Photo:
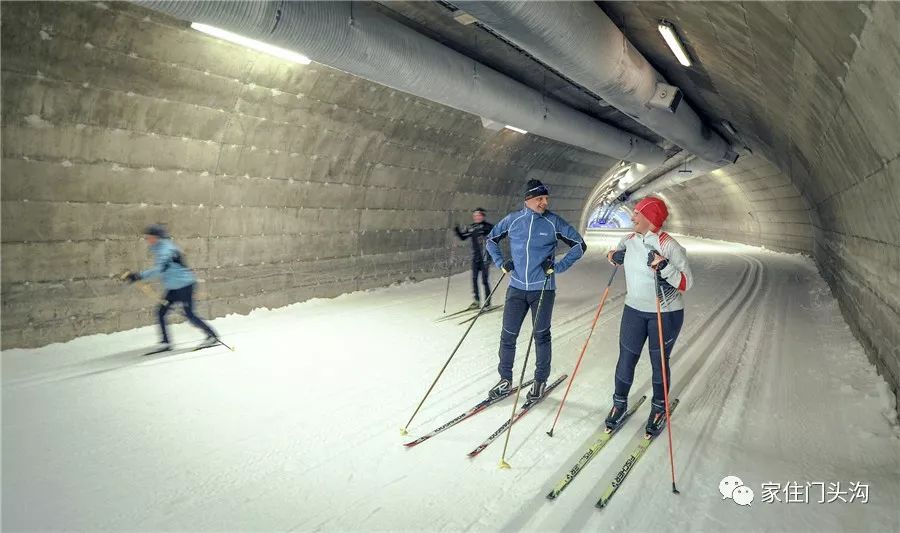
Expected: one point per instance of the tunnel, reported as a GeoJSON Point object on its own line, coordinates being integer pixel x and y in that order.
{"type": "Point", "coordinates": [315, 172]}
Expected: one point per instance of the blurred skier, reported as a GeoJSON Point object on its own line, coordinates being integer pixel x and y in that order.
{"type": "Point", "coordinates": [533, 232]}
{"type": "Point", "coordinates": [650, 255]}
{"type": "Point", "coordinates": [177, 279]}
{"type": "Point", "coordinates": [478, 231]}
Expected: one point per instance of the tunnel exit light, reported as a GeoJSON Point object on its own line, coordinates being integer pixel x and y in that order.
{"type": "Point", "coordinates": [251, 43]}
{"type": "Point", "coordinates": [675, 44]}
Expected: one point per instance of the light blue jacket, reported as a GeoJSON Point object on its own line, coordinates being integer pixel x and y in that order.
{"type": "Point", "coordinates": [533, 238]}
{"type": "Point", "coordinates": [169, 266]}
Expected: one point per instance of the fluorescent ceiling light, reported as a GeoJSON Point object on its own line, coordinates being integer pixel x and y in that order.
{"type": "Point", "coordinates": [463, 18]}
{"type": "Point", "coordinates": [520, 130]}
{"type": "Point", "coordinates": [668, 33]}
{"type": "Point", "coordinates": [251, 43]}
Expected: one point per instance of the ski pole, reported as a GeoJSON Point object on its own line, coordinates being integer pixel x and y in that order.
{"type": "Point", "coordinates": [584, 348]}
{"type": "Point", "coordinates": [537, 313]}
{"type": "Point", "coordinates": [449, 262]}
{"type": "Point", "coordinates": [403, 430]}
{"type": "Point", "coordinates": [662, 355]}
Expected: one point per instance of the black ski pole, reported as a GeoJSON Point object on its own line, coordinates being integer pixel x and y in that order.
{"type": "Point", "coordinates": [537, 313]}
{"type": "Point", "coordinates": [403, 430]}
{"type": "Point", "coordinates": [449, 261]}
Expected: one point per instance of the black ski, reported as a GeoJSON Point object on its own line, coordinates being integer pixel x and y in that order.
{"type": "Point", "coordinates": [457, 314]}
{"type": "Point", "coordinates": [486, 311]}
{"type": "Point", "coordinates": [480, 406]}
{"type": "Point", "coordinates": [519, 414]}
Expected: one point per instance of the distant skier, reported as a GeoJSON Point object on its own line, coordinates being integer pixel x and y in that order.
{"type": "Point", "coordinates": [478, 231]}
{"type": "Point", "coordinates": [533, 232]}
{"type": "Point", "coordinates": [177, 279]}
{"type": "Point", "coordinates": [649, 255]}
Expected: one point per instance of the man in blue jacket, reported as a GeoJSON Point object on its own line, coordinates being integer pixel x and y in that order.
{"type": "Point", "coordinates": [177, 279]}
{"type": "Point", "coordinates": [533, 233]}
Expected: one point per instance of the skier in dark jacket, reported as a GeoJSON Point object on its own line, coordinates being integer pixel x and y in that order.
{"type": "Point", "coordinates": [477, 232]}
{"type": "Point", "coordinates": [177, 279]}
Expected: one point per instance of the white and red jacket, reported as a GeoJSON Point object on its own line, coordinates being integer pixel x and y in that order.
{"type": "Point", "coordinates": [640, 279]}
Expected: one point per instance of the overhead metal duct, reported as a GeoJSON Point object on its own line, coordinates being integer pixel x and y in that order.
{"type": "Point", "coordinates": [693, 167]}
{"type": "Point", "coordinates": [356, 38]}
{"type": "Point", "coordinates": [582, 43]}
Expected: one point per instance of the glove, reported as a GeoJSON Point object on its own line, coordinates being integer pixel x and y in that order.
{"type": "Point", "coordinates": [548, 265]}
{"type": "Point", "coordinates": [131, 277]}
{"type": "Point", "coordinates": [617, 257]}
{"type": "Point", "coordinates": [508, 267]}
{"type": "Point", "coordinates": [663, 262]}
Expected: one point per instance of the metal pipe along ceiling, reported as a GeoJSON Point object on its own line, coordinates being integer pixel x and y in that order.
{"type": "Point", "coordinates": [359, 40]}
{"type": "Point", "coordinates": [581, 42]}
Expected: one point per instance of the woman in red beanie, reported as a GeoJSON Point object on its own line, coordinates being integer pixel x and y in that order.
{"type": "Point", "coordinates": [649, 255]}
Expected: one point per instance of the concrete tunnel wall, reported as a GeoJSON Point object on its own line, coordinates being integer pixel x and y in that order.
{"type": "Point", "coordinates": [281, 182]}
{"type": "Point", "coordinates": [812, 87]}
{"type": "Point", "coordinates": [751, 201]}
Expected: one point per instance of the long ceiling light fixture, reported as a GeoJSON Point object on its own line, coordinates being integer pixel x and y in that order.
{"type": "Point", "coordinates": [675, 45]}
{"type": "Point", "coordinates": [251, 43]}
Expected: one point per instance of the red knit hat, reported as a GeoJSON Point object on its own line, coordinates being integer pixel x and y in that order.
{"type": "Point", "coordinates": [653, 209]}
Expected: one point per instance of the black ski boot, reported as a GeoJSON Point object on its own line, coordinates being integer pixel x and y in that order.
{"type": "Point", "coordinates": [161, 348]}
{"type": "Point", "coordinates": [536, 392]}
{"type": "Point", "coordinates": [208, 343]}
{"type": "Point", "coordinates": [657, 419]}
{"type": "Point", "coordinates": [499, 390]}
{"type": "Point", "coordinates": [617, 413]}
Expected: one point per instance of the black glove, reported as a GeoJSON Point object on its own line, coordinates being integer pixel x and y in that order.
{"type": "Point", "coordinates": [618, 257]}
{"type": "Point", "coordinates": [131, 277]}
{"type": "Point", "coordinates": [659, 266]}
{"type": "Point", "coordinates": [548, 265]}
{"type": "Point", "coordinates": [508, 267]}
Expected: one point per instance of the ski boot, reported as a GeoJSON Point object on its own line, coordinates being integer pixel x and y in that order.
{"type": "Point", "coordinates": [475, 305]}
{"type": "Point", "coordinates": [499, 390]}
{"type": "Point", "coordinates": [536, 392]}
{"type": "Point", "coordinates": [657, 419]}
{"type": "Point", "coordinates": [161, 348]}
{"type": "Point", "coordinates": [617, 413]}
{"type": "Point", "coordinates": [208, 343]}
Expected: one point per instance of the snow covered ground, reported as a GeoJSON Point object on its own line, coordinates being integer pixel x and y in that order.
{"type": "Point", "coordinates": [298, 429]}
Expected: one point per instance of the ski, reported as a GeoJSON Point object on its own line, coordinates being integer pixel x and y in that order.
{"type": "Point", "coordinates": [218, 343]}
{"type": "Point", "coordinates": [172, 350]}
{"type": "Point", "coordinates": [591, 452]}
{"type": "Point", "coordinates": [486, 311]}
{"type": "Point", "coordinates": [457, 314]}
{"type": "Point", "coordinates": [630, 462]}
{"type": "Point", "coordinates": [480, 406]}
{"type": "Point", "coordinates": [158, 351]}
{"type": "Point", "coordinates": [519, 414]}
